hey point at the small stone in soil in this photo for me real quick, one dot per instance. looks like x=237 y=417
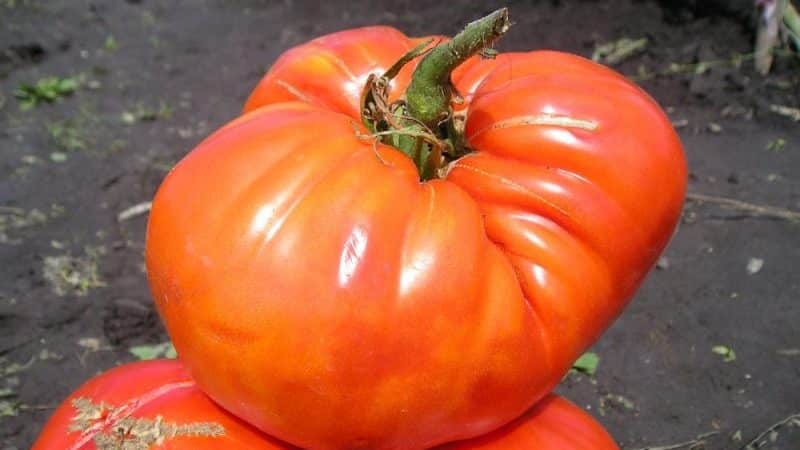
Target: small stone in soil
x=754 y=265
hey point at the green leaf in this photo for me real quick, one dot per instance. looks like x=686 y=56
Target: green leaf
x=45 y=90
x=170 y=352
x=727 y=353
x=587 y=363
x=147 y=352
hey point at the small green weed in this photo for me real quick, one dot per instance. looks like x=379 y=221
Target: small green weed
x=46 y=90
x=67 y=134
x=110 y=44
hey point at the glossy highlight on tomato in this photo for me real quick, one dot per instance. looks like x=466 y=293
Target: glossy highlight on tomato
x=317 y=289
x=147 y=405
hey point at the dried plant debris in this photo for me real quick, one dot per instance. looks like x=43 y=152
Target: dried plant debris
x=789 y=352
x=777 y=18
x=91 y=344
x=771 y=433
x=695 y=68
x=75 y=275
x=680 y=123
x=786 y=111
x=115 y=427
x=791 y=22
x=12 y=218
x=13 y=368
x=58 y=157
x=615 y=402
x=697 y=443
x=776 y=145
x=135 y=210
x=615 y=52
x=746 y=208
x=143 y=113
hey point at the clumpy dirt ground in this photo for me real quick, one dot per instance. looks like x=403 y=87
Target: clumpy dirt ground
x=155 y=77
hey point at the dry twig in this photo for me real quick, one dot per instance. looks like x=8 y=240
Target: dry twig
x=701 y=439
x=753 y=209
x=133 y=211
x=753 y=444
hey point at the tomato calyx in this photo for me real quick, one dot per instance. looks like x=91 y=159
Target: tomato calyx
x=390 y=123
x=422 y=124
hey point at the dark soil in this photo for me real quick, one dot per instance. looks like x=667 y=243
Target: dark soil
x=158 y=76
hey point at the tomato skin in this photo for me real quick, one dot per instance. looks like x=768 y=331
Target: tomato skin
x=344 y=59
x=299 y=274
x=153 y=389
x=553 y=424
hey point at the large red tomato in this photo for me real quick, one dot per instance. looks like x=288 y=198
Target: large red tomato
x=315 y=287
x=155 y=405
x=553 y=424
x=146 y=405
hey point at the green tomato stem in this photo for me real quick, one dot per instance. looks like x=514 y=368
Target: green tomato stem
x=423 y=126
x=429 y=94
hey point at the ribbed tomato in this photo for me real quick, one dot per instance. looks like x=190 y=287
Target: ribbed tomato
x=147 y=405
x=315 y=287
